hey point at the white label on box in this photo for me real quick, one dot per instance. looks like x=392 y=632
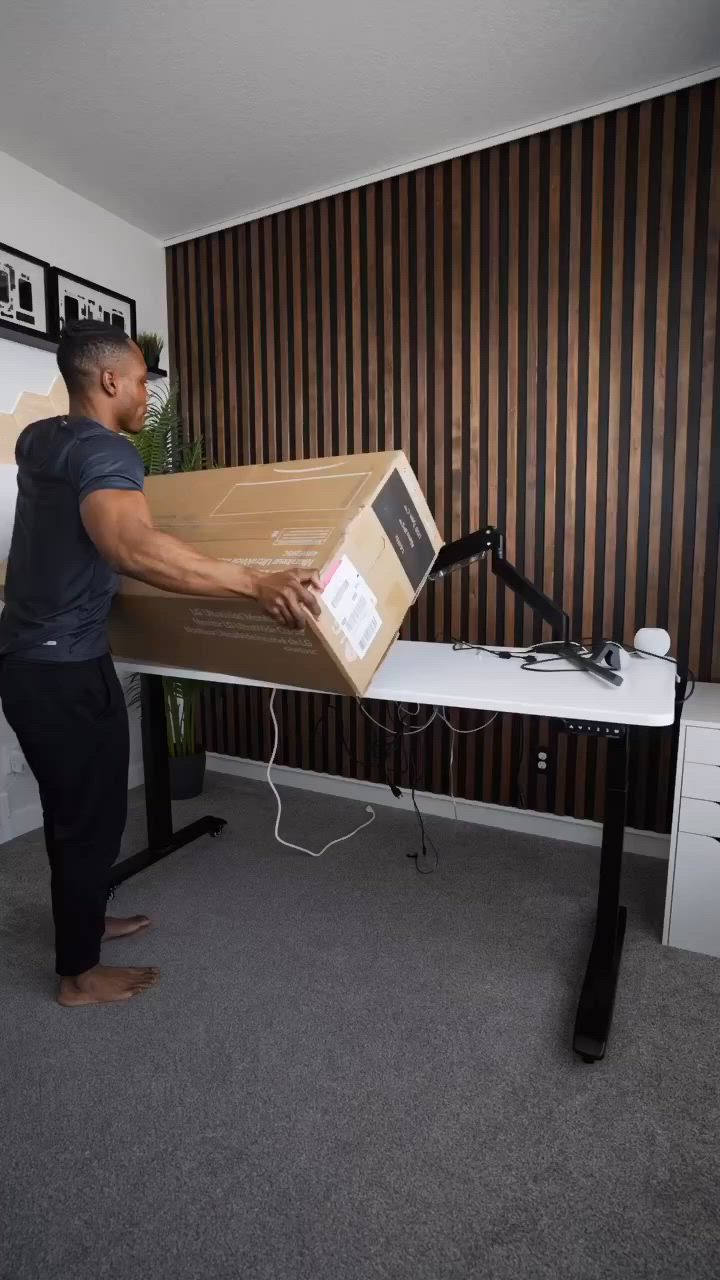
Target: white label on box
x=352 y=604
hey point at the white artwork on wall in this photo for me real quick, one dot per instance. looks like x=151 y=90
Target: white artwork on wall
x=23 y=293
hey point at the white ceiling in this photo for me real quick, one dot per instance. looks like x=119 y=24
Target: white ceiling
x=178 y=115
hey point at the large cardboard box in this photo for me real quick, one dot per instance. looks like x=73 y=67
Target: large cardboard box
x=362 y=522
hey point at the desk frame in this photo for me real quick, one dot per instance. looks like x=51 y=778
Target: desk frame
x=162 y=840
x=597 y=997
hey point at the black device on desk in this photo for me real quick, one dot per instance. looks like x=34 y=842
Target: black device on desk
x=474 y=546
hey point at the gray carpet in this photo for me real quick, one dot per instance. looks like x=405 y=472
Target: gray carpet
x=353 y=1071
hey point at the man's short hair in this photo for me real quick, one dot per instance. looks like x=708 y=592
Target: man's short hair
x=85 y=348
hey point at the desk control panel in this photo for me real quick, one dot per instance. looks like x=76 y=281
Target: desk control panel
x=595 y=728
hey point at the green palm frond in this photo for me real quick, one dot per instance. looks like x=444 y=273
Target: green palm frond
x=160 y=443
x=182 y=714
x=182 y=711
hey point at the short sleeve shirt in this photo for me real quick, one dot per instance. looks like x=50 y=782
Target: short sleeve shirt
x=58 y=589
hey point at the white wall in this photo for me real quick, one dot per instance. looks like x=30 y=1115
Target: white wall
x=48 y=221
x=52 y=223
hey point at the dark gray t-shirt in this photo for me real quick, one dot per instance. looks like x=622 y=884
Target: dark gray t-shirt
x=59 y=589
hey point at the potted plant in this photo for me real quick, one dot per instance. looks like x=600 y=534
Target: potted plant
x=185 y=752
x=151 y=345
x=163 y=450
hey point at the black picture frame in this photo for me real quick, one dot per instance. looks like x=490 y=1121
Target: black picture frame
x=57 y=274
x=33 y=337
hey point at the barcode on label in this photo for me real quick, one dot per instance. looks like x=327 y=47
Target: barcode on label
x=357 y=614
x=368 y=635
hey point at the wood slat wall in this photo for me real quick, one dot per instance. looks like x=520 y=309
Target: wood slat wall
x=537 y=326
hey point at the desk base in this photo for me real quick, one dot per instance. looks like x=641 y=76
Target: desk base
x=597 y=999
x=162 y=839
x=207 y=826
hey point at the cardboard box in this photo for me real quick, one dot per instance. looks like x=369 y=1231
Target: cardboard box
x=362 y=522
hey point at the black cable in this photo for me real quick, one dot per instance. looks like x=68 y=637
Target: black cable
x=537 y=664
x=416 y=857
x=689 y=675
x=384 y=741
x=460 y=645
x=519 y=790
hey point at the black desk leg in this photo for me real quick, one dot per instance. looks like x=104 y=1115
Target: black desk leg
x=595 y=1010
x=162 y=840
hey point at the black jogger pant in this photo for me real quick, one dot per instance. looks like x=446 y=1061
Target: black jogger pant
x=71 y=722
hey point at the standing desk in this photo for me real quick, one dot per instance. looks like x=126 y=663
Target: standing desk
x=439 y=675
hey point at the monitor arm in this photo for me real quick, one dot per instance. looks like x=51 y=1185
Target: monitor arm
x=475 y=546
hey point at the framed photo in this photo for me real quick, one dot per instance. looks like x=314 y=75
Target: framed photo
x=24 y=297
x=72 y=298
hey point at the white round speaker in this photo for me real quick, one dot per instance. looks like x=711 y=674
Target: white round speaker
x=653 y=640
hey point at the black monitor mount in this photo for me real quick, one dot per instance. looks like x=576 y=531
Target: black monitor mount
x=475 y=546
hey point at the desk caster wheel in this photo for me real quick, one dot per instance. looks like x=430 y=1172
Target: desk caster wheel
x=217 y=830
x=585 y=1057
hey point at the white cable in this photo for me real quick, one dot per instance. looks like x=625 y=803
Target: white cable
x=478 y=727
x=452 y=784
x=288 y=843
x=406 y=732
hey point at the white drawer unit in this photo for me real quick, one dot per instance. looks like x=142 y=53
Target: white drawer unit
x=695 y=920
x=701 y=781
x=702 y=746
x=692 y=906
x=701 y=817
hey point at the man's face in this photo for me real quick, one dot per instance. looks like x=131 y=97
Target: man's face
x=130 y=376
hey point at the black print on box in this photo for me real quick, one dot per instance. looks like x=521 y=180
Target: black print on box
x=401 y=521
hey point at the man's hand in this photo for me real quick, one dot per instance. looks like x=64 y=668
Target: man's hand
x=286 y=596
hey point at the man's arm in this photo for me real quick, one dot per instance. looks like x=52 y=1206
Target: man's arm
x=120 y=524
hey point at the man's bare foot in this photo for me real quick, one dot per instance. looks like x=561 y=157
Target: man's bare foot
x=119 y=927
x=104 y=985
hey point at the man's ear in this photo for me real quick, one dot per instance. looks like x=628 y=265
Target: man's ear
x=109 y=382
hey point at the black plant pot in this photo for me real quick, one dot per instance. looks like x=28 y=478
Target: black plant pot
x=187 y=775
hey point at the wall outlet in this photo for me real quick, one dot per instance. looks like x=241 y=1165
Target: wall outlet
x=16 y=762
x=542 y=762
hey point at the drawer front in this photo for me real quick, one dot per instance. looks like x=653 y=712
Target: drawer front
x=701 y=817
x=702 y=746
x=701 y=781
x=695 y=909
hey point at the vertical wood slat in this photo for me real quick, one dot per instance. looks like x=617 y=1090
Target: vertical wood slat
x=494 y=429
x=711 y=327
x=553 y=367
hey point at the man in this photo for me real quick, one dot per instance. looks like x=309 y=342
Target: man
x=81 y=519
